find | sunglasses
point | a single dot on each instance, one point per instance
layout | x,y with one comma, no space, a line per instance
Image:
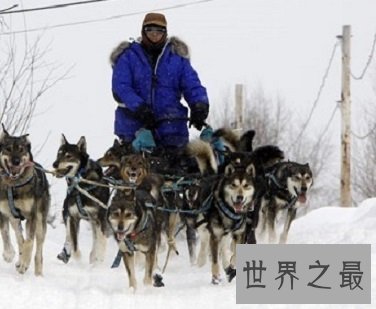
155,29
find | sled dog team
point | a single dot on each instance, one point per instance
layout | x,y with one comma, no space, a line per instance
237,195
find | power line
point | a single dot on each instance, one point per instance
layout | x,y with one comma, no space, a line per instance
314,105
11,7
107,18
368,61
326,127
55,6
366,135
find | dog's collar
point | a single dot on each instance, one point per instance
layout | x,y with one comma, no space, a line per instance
282,191
227,211
129,240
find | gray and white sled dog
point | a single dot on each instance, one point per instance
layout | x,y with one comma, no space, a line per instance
73,162
288,184
24,196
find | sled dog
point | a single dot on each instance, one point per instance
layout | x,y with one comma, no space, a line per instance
73,163
24,196
288,184
135,226
233,199
112,159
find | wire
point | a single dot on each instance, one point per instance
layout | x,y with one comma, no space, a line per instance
56,6
314,105
366,135
12,7
368,61
107,18
326,128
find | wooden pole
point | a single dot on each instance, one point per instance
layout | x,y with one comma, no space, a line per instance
239,99
346,199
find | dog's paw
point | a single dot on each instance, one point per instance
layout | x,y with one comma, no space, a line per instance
216,280
21,267
230,273
63,256
157,281
8,255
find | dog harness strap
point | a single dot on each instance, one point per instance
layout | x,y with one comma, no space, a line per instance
129,242
291,202
80,207
274,180
228,212
15,211
117,260
130,247
238,224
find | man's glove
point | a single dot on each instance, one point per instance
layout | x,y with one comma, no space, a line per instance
146,116
199,112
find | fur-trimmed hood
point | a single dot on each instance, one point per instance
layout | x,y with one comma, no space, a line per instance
177,46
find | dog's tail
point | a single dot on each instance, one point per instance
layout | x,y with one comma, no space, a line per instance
229,137
236,141
204,155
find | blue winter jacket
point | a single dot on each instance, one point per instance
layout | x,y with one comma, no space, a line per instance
134,83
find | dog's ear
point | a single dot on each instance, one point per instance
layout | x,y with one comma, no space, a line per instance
4,133
4,130
229,169
26,140
246,141
116,143
63,139
251,170
82,144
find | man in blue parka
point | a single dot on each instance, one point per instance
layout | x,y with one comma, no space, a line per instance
150,77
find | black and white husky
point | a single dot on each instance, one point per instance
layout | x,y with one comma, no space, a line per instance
287,186
73,163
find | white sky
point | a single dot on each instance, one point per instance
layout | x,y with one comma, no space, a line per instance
282,46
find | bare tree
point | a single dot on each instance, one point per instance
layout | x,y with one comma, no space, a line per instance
364,175
25,75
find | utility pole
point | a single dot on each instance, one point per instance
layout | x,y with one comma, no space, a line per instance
346,199
239,103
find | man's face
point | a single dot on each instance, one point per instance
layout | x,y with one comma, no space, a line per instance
155,33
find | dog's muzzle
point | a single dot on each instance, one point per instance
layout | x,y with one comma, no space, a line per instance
302,195
239,204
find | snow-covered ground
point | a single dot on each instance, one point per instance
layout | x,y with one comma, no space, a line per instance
80,285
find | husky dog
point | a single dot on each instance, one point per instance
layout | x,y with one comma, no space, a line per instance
112,158
233,199
135,169
73,162
24,195
287,186
134,225
134,230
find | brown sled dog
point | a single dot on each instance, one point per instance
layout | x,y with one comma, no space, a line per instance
24,195
135,226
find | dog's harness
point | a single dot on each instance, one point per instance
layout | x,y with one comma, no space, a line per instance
280,191
238,219
72,183
129,240
16,213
